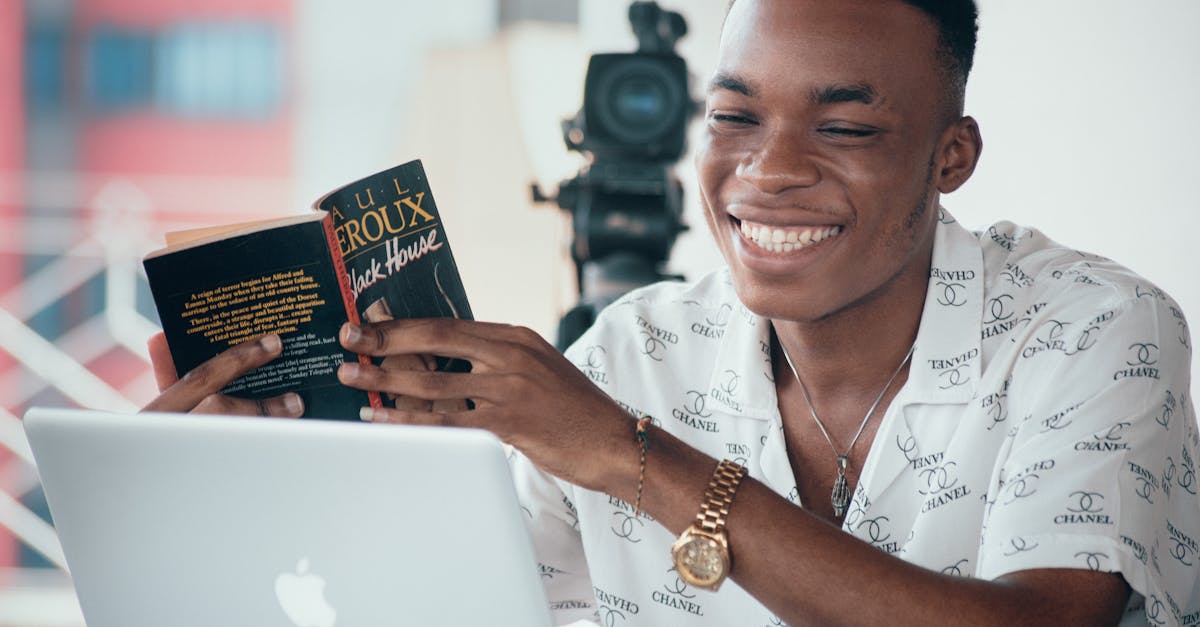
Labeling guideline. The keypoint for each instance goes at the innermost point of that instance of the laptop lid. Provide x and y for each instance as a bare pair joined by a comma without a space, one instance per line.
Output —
204,520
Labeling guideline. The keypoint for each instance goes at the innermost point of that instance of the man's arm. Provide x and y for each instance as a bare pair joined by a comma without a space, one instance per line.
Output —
803,569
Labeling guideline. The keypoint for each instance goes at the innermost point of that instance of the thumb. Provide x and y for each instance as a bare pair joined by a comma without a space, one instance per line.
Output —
160,358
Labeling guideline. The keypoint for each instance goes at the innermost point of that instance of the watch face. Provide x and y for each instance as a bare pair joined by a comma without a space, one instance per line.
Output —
701,561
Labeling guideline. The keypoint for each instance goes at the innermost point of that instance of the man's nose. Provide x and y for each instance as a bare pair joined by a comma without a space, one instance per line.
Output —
783,161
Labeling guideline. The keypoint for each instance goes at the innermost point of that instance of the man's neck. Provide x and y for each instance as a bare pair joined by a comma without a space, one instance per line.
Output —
854,351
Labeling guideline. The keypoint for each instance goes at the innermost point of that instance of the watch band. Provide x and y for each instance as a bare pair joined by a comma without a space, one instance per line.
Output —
719,496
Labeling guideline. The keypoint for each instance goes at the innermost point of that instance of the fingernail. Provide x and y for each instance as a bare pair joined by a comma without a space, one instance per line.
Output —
270,343
351,333
293,403
349,369
367,414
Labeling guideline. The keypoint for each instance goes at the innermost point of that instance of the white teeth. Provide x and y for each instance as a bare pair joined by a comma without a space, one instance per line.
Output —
786,240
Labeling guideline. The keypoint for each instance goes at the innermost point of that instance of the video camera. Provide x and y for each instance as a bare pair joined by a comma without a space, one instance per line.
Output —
626,204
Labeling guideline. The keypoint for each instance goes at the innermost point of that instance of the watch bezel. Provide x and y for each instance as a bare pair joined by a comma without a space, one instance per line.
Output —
685,569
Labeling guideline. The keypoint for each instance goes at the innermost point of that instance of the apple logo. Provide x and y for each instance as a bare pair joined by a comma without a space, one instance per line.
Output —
302,597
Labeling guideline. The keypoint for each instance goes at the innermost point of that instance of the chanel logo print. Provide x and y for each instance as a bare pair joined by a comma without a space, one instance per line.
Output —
727,388
1085,502
937,478
1049,337
594,358
952,294
1019,545
998,309
954,377
997,412
721,318
1004,240
1086,340
679,586
695,404
908,447
1152,292
1084,508
859,505
1113,434
652,347
593,363
955,569
626,525
1016,276
1091,559
1021,487
1187,474
611,616
729,384
1183,547
1155,611
874,529
1143,354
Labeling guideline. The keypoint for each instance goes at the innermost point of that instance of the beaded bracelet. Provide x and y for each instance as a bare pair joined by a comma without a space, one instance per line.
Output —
643,440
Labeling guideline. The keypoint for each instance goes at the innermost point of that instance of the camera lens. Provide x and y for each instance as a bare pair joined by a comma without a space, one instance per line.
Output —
638,100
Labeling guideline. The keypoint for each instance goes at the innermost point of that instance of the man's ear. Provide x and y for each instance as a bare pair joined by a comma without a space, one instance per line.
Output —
958,152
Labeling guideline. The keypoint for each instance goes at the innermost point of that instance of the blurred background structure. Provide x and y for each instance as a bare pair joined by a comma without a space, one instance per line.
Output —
122,119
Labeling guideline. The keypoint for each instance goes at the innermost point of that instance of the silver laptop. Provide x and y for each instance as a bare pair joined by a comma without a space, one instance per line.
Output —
203,520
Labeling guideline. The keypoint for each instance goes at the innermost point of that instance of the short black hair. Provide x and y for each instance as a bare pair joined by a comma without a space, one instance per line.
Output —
958,28
957,22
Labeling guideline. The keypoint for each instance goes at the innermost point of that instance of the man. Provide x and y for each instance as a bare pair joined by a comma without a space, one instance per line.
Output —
938,426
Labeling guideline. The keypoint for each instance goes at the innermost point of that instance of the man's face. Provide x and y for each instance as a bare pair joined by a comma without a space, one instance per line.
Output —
817,165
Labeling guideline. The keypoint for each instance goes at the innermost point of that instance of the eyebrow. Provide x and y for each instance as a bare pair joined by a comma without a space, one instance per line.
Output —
729,82
836,94
830,94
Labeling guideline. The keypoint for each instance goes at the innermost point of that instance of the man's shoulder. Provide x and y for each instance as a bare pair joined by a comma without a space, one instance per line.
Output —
1022,262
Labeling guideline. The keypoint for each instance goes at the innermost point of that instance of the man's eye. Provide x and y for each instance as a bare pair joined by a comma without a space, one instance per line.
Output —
844,131
730,118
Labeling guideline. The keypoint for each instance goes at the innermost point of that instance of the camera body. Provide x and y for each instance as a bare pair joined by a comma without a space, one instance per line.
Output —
626,203
636,107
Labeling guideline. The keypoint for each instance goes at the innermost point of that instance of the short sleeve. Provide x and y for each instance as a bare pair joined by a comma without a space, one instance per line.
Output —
1100,474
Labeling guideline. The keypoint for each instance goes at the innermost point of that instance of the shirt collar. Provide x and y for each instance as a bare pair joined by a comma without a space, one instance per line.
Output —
945,363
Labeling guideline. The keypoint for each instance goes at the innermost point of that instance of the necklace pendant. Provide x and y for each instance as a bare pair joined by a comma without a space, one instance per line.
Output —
840,497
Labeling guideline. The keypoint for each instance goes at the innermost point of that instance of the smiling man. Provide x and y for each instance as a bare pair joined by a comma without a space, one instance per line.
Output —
919,424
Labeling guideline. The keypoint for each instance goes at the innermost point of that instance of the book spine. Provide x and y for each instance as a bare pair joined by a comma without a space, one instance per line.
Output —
343,279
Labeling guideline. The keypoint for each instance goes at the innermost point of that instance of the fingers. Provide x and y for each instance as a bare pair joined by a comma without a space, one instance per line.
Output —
211,376
160,359
385,415
284,406
481,343
427,385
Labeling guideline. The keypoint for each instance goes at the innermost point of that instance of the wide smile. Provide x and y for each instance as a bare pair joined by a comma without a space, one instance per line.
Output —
782,240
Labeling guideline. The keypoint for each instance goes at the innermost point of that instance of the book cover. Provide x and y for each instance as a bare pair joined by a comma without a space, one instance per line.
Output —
373,250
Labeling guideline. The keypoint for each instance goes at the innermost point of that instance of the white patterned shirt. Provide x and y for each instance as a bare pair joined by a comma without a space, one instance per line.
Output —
1045,423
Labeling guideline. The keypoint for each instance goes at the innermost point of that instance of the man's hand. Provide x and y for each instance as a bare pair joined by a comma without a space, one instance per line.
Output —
197,390
524,391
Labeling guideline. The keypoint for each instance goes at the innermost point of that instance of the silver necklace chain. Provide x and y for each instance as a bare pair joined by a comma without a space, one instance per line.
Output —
840,497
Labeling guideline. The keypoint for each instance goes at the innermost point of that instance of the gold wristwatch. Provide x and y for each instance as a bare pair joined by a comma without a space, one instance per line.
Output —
701,554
